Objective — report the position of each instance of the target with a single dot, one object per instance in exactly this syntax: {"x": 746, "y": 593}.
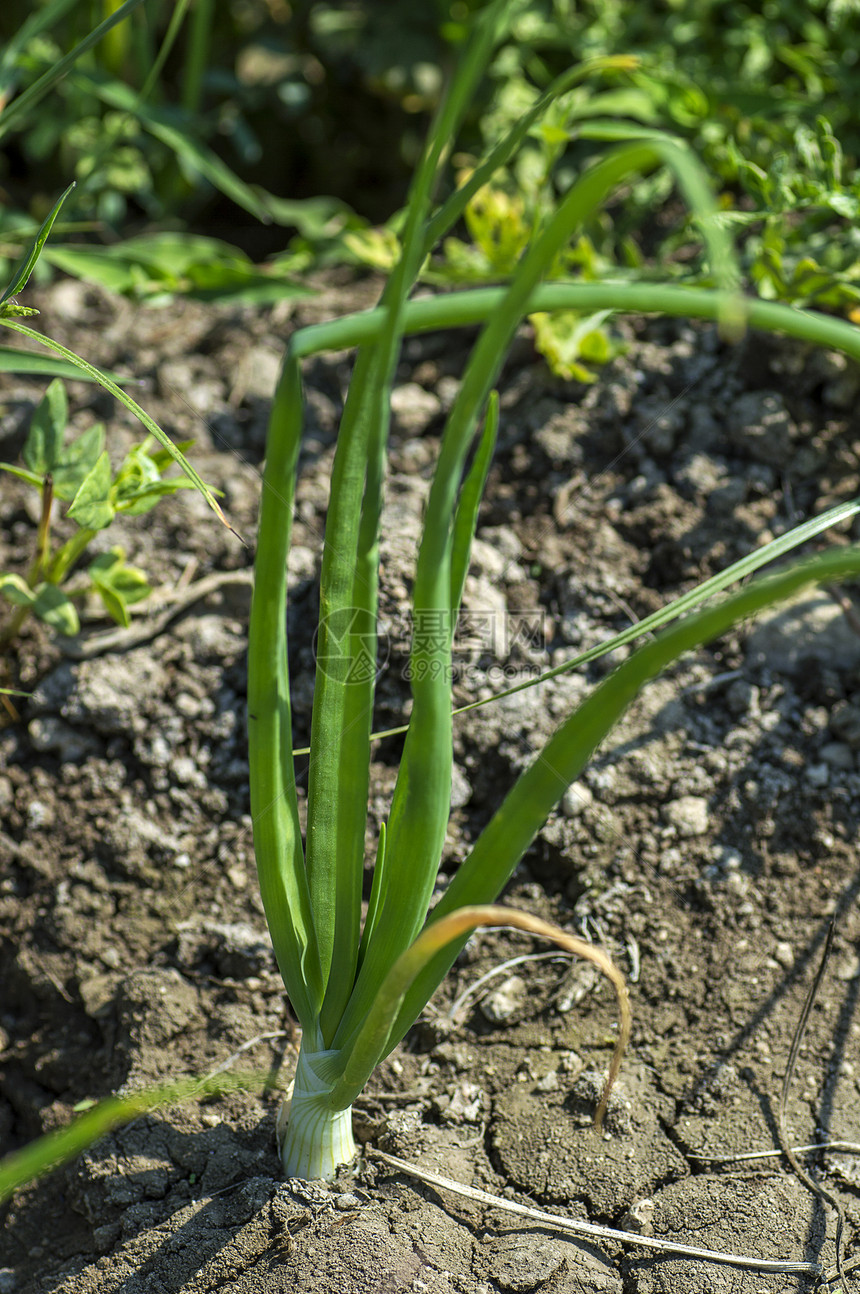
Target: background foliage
{"x": 276, "y": 124}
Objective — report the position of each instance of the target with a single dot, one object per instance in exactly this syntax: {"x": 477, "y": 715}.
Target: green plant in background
{"x": 78, "y": 472}
{"x": 126, "y": 149}
{"x": 233, "y": 113}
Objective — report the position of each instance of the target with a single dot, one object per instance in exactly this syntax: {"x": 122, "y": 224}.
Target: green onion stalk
{"x": 356, "y": 977}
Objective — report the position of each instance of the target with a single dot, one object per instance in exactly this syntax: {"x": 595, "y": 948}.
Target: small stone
{"x": 845, "y": 722}
{"x": 549, "y": 1082}
{"x": 39, "y": 814}
{"x": 413, "y": 406}
{"x": 688, "y": 815}
{"x": 817, "y": 774}
{"x": 638, "y": 1217}
{"x": 838, "y": 754}
{"x": 577, "y": 798}
{"x": 505, "y": 1002}
{"x": 784, "y": 954}
{"x": 741, "y": 698}
{"x": 759, "y": 425}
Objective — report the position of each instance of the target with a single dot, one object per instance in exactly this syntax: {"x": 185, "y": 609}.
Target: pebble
{"x": 838, "y": 754}
{"x": 759, "y": 424}
{"x": 577, "y": 798}
{"x": 742, "y": 698}
{"x": 413, "y": 406}
{"x": 817, "y": 774}
{"x": 811, "y": 628}
{"x": 784, "y": 954}
{"x": 506, "y": 1001}
{"x": 688, "y": 815}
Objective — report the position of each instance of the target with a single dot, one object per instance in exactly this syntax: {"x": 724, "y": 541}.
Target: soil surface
{"x": 707, "y": 847}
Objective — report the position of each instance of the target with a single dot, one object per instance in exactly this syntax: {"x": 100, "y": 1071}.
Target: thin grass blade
{"x": 28, "y": 263}
{"x": 58, "y": 1147}
{"x": 466, "y": 516}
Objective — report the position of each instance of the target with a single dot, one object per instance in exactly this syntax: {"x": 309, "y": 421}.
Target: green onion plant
{"x": 358, "y": 979}
{"x": 356, "y": 976}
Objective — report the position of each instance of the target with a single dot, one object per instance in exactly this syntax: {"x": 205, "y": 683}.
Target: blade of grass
{"x": 58, "y": 1147}
{"x": 738, "y": 570}
{"x": 468, "y": 505}
{"x": 13, "y": 360}
{"x": 464, "y": 529}
{"x": 28, "y": 262}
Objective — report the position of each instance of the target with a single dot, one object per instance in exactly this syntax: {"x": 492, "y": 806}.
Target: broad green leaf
{"x": 565, "y": 338}
{"x": 92, "y": 508}
{"x": 110, "y": 571}
{"x": 131, "y": 584}
{"x": 155, "y": 267}
{"x": 103, "y": 266}
{"x": 44, "y": 443}
{"x": 114, "y": 604}
{"x": 100, "y": 567}
{"x": 136, "y": 474}
{"x": 16, "y": 590}
{"x": 77, "y": 461}
{"x": 56, "y": 609}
